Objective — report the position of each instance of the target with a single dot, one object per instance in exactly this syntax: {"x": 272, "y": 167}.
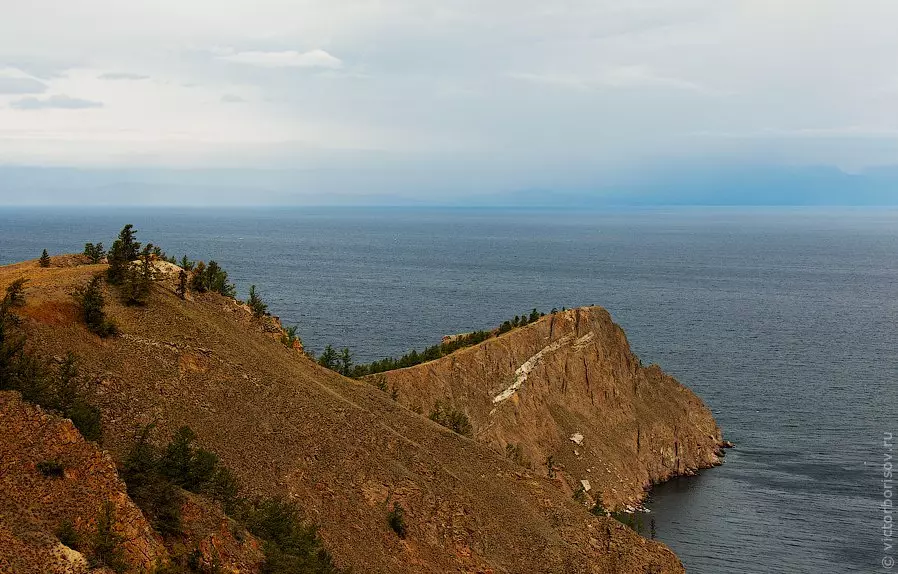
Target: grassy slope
{"x": 343, "y": 450}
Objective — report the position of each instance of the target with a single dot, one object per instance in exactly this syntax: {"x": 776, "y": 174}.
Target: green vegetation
{"x": 434, "y": 352}
{"x": 15, "y": 293}
{"x": 137, "y": 280}
{"x": 413, "y": 357}
{"x": 105, "y": 546}
{"x": 329, "y": 358}
{"x": 451, "y": 418}
{"x": 96, "y": 253}
{"x": 51, "y": 469}
{"x": 124, "y": 250}
{"x": 183, "y": 279}
{"x": 44, "y": 261}
{"x": 157, "y": 477}
{"x": 396, "y": 520}
{"x": 62, "y": 391}
{"x": 211, "y": 277}
{"x": 92, "y": 302}
{"x": 67, "y": 534}
{"x": 520, "y": 321}
{"x": 256, "y": 305}
{"x": 290, "y": 337}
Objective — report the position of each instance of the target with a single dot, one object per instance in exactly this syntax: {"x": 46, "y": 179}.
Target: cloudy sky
{"x": 498, "y": 95}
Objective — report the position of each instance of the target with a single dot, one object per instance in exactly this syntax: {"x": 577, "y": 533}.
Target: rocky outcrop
{"x": 567, "y": 391}
{"x": 33, "y": 506}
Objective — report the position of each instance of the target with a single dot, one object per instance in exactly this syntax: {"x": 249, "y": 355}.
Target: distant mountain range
{"x": 684, "y": 184}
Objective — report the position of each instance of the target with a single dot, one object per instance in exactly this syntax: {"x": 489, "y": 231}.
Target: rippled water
{"x": 783, "y": 321}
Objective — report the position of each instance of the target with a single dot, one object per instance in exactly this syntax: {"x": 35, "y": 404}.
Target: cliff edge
{"x": 567, "y": 397}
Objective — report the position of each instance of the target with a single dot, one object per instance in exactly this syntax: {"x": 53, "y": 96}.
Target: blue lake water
{"x": 784, "y": 321}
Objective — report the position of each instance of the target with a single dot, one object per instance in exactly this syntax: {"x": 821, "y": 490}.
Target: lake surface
{"x": 784, "y": 321}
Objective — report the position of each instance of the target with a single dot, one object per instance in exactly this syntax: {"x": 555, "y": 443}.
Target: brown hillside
{"x": 340, "y": 448}
{"x": 33, "y": 506}
{"x": 533, "y": 390}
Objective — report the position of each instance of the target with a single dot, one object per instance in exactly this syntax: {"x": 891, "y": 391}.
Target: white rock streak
{"x": 522, "y": 372}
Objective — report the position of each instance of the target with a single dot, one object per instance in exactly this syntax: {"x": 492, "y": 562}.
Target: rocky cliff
{"x": 34, "y": 506}
{"x": 567, "y": 392}
{"x": 342, "y": 450}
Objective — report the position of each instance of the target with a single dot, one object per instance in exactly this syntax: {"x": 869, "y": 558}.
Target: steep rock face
{"x": 33, "y": 506}
{"x": 569, "y": 387}
{"x": 339, "y": 448}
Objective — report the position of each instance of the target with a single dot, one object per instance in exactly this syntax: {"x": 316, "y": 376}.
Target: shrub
{"x": 106, "y": 544}
{"x": 92, "y": 302}
{"x": 51, "y": 469}
{"x": 396, "y": 520}
{"x": 15, "y": 293}
{"x": 67, "y": 534}
{"x": 95, "y": 253}
{"x": 451, "y": 418}
{"x": 44, "y": 261}
{"x": 86, "y": 418}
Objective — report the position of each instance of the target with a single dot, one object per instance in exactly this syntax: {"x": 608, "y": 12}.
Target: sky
{"x": 418, "y": 100}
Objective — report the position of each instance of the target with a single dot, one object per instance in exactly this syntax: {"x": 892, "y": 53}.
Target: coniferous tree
{"x": 256, "y": 305}
{"x": 91, "y": 300}
{"x": 186, "y": 264}
{"x": 138, "y": 280}
{"x": 345, "y": 362}
{"x": 106, "y": 543}
{"x": 124, "y": 250}
{"x": 329, "y": 358}
{"x": 534, "y": 316}
{"x": 181, "y": 291}
{"x": 45, "y": 259}
{"x": 95, "y": 252}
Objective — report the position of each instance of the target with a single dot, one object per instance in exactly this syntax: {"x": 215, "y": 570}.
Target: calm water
{"x": 783, "y": 321}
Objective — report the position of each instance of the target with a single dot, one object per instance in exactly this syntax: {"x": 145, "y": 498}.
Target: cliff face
{"x": 341, "y": 449}
{"x": 569, "y": 388}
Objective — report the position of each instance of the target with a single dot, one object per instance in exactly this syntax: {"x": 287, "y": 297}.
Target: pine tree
{"x": 90, "y": 299}
{"x": 181, "y": 291}
{"x": 123, "y": 252}
{"x": 345, "y": 362}
{"x": 45, "y": 259}
{"x": 138, "y": 280}
{"x": 329, "y": 358}
{"x": 95, "y": 252}
{"x": 256, "y": 305}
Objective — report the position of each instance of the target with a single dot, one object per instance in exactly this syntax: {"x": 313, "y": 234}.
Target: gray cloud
{"x": 122, "y": 76}
{"x": 60, "y": 101}
{"x": 21, "y": 86}
{"x": 539, "y": 94}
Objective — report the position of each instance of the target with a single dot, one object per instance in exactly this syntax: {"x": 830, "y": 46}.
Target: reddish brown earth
{"x": 341, "y": 449}
{"x": 639, "y": 426}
